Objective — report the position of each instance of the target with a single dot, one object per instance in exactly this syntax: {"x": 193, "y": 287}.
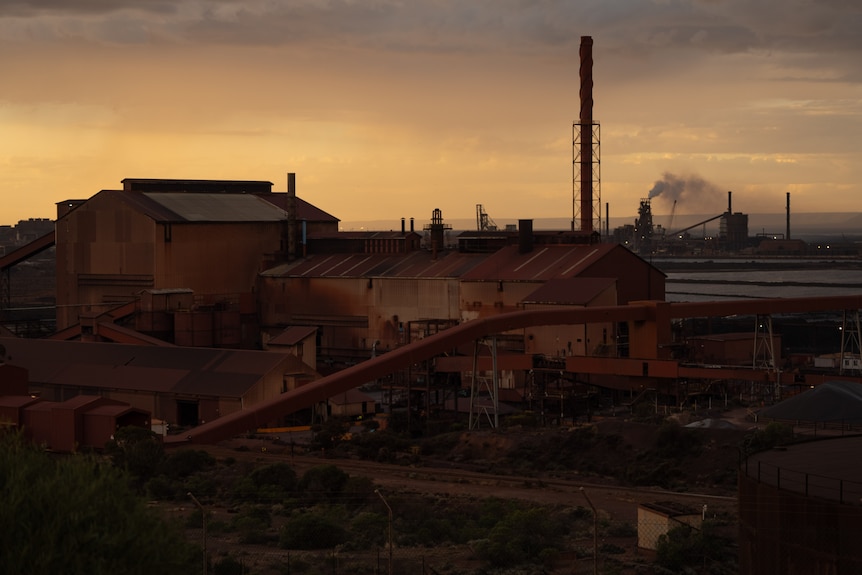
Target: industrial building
{"x": 81, "y": 422}
{"x": 185, "y": 268}
{"x": 181, "y": 386}
{"x": 210, "y": 237}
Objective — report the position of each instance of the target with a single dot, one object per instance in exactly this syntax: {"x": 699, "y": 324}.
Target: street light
{"x": 204, "y": 520}
{"x": 377, "y": 491}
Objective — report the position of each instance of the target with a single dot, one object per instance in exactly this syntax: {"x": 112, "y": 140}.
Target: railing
{"x": 809, "y": 484}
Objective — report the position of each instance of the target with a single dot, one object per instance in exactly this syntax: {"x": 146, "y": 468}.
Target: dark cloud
{"x": 633, "y": 27}
{"x": 83, "y": 7}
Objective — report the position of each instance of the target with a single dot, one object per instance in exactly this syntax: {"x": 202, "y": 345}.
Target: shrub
{"x": 137, "y": 450}
{"x": 369, "y": 530}
{"x": 523, "y": 537}
{"x": 772, "y": 435}
{"x": 684, "y": 546}
{"x": 272, "y": 483}
{"x": 323, "y": 483}
{"x": 311, "y": 530}
{"x": 185, "y": 462}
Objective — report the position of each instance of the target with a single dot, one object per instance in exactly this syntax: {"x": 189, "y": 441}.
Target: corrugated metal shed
{"x": 570, "y": 291}
{"x": 419, "y": 264}
{"x": 199, "y": 371}
{"x": 541, "y": 264}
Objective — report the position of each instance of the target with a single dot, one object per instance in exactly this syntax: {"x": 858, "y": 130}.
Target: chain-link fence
{"x": 616, "y": 547}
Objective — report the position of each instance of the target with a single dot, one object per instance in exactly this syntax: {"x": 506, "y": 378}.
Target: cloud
{"x": 38, "y": 8}
{"x": 630, "y": 27}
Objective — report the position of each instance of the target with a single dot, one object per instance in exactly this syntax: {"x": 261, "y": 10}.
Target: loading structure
{"x": 15, "y": 257}
{"x": 650, "y": 353}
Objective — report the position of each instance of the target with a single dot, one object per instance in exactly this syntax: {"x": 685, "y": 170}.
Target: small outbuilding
{"x": 657, "y": 519}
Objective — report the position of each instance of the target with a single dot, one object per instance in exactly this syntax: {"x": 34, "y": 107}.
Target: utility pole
{"x": 377, "y": 491}
{"x": 204, "y": 520}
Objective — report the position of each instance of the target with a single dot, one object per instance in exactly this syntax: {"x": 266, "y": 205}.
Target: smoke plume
{"x": 693, "y": 192}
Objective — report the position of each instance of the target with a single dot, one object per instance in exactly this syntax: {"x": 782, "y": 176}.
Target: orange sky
{"x": 389, "y": 109}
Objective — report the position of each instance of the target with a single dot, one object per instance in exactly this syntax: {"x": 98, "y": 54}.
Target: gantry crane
{"x": 484, "y": 223}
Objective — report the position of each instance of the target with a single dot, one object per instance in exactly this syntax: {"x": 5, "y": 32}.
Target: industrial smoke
{"x": 691, "y": 191}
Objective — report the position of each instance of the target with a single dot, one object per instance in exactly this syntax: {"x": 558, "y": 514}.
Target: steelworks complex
{"x": 211, "y": 308}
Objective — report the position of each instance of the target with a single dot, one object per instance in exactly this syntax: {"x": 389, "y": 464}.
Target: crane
{"x": 670, "y": 221}
{"x": 484, "y": 223}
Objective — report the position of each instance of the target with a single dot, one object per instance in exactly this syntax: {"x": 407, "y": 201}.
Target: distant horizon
{"x": 809, "y": 222}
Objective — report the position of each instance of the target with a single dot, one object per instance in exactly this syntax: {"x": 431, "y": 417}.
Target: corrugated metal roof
{"x": 293, "y": 335}
{"x": 570, "y": 291}
{"x": 304, "y": 210}
{"x": 202, "y": 207}
{"x": 112, "y": 410}
{"x": 418, "y": 264}
{"x": 543, "y": 263}
{"x": 175, "y": 207}
{"x": 18, "y": 401}
{"x": 198, "y": 371}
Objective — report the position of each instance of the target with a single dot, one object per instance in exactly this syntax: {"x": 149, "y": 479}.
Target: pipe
{"x": 729, "y": 205}
{"x": 307, "y": 395}
{"x": 291, "y": 216}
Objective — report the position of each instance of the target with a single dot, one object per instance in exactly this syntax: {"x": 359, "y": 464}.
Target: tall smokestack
{"x": 729, "y": 204}
{"x": 607, "y": 220}
{"x": 586, "y": 121}
{"x": 291, "y": 216}
{"x": 787, "y": 233}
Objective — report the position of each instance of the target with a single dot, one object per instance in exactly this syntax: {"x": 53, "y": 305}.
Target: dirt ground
{"x": 482, "y": 473}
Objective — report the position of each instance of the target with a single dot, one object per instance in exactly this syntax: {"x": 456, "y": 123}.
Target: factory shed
{"x": 362, "y": 303}
{"x": 637, "y": 279}
{"x": 182, "y": 386}
{"x": 364, "y": 242}
{"x": 299, "y": 341}
{"x": 735, "y": 349}
{"x": 82, "y": 421}
{"x": 12, "y": 408}
{"x": 118, "y": 243}
{"x": 208, "y": 237}
{"x": 351, "y": 403}
{"x": 13, "y": 379}
{"x": 563, "y": 340}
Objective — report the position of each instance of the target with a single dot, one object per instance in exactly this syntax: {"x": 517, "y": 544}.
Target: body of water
{"x": 692, "y": 280}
